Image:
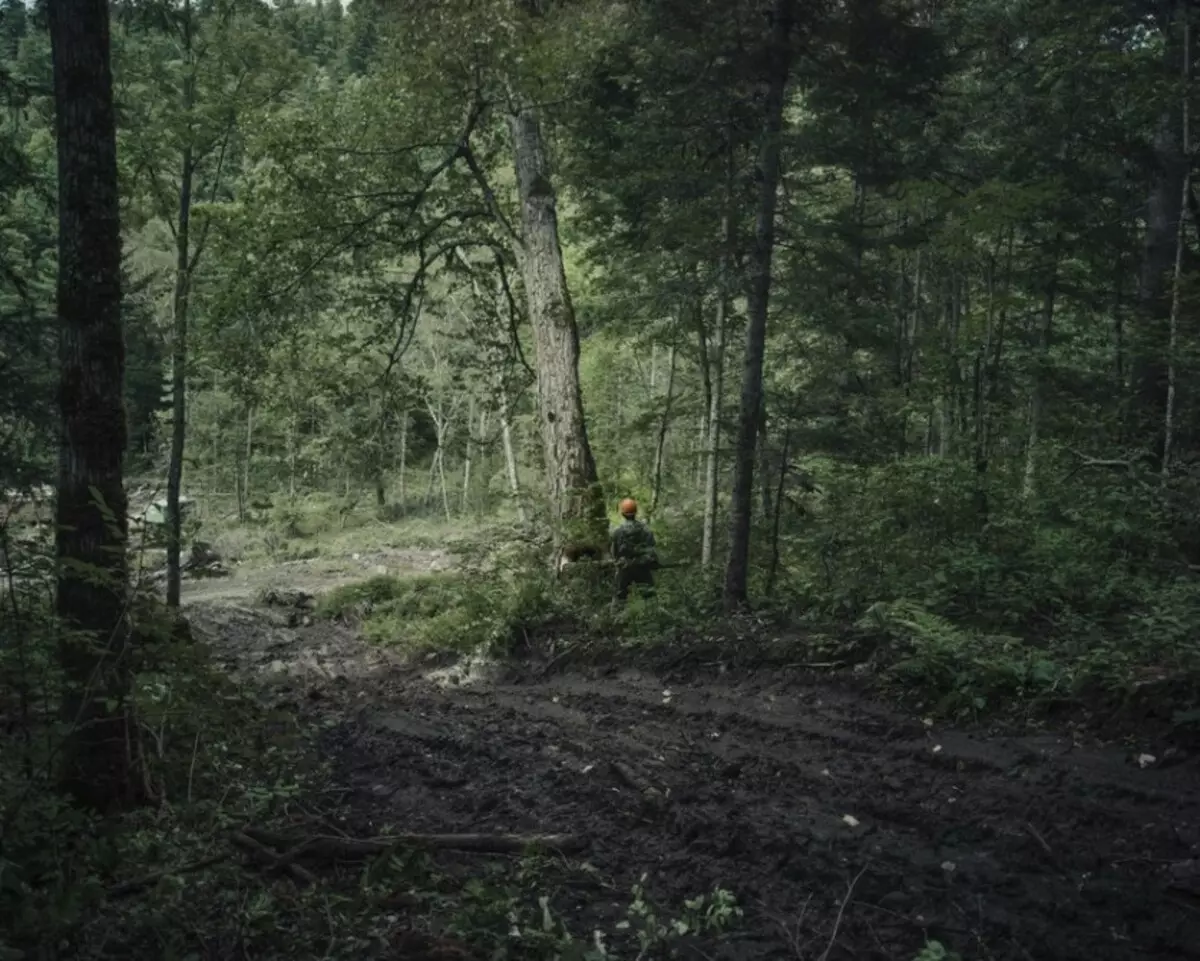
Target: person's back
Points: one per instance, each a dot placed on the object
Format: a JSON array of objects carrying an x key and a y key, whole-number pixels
[{"x": 634, "y": 551}]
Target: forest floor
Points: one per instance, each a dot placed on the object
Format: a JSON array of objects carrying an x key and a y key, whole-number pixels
[{"x": 843, "y": 827}]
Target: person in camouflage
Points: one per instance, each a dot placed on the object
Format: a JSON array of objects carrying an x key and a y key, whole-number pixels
[{"x": 634, "y": 552}]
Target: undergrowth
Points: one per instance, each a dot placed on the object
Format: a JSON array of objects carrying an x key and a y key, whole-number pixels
[{"x": 975, "y": 600}]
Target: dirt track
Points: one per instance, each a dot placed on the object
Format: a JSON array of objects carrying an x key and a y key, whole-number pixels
[{"x": 1003, "y": 848}]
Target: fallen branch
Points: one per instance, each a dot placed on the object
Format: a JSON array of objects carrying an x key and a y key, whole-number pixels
[
  {"x": 126, "y": 888},
  {"x": 1033, "y": 832},
  {"x": 360, "y": 849},
  {"x": 634, "y": 780},
  {"x": 837, "y": 924},
  {"x": 261, "y": 853}
]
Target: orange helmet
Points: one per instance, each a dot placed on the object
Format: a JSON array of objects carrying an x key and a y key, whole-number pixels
[{"x": 629, "y": 507}]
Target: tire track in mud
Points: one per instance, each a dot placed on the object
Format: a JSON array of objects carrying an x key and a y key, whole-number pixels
[{"x": 1008, "y": 848}]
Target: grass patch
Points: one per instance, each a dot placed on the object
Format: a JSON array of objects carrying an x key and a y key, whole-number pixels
[{"x": 450, "y": 612}]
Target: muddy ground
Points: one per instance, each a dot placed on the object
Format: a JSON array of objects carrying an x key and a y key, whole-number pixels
[{"x": 784, "y": 789}]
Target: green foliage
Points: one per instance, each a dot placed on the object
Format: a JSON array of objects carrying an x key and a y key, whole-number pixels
[
  {"x": 448, "y": 612},
  {"x": 1003, "y": 606},
  {"x": 936, "y": 951}
]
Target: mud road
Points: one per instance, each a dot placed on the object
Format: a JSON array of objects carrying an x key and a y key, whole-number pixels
[{"x": 787, "y": 791}]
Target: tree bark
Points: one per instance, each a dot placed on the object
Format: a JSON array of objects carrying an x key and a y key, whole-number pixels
[
  {"x": 1037, "y": 398},
  {"x": 1177, "y": 280},
  {"x": 91, "y": 509},
  {"x": 575, "y": 498},
  {"x": 664, "y": 426},
  {"x": 403, "y": 493},
  {"x": 510, "y": 461},
  {"x": 1164, "y": 210},
  {"x": 716, "y": 396},
  {"x": 773, "y": 567},
  {"x": 179, "y": 306},
  {"x": 248, "y": 455},
  {"x": 179, "y": 379},
  {"x": 737, "y": 569}
]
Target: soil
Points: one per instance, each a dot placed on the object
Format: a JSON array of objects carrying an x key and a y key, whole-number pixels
[{"x": 788, "y": 790}]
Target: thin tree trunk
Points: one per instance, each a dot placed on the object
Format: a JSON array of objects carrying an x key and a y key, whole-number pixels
[
  {"x": 403, "y": 462},
  {"x": 575, "y": 496},
  {"x": 1037, "y": 398},
  {"x": 773, "y": 568},
  {"x": 510, "y": 462},
  {"x": 441, "y": 466},
  {"x": 737, "y": 571},
  {"x": 1173, "y": 333},
  {"x": 91, "y": 512},
  {"x": 180, "y": 303},
  {"x": 470, "y": 450},
  {"x": 716, "y": 396},
  {"x": 249, "y": 456},
  {"x": 764, "y": 463},
  {"x": 1163, "y": 213},
  {"x": 293, "y": 453},
  {"x": 712, "y": 467},
  {"x": 663, "y": 427},
  {"x": 432, "y": 486}
]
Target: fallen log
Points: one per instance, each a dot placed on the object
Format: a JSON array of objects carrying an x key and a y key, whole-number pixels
[
  {"x": 327, "y": 848},
  {"x": 268, "y": 858}
]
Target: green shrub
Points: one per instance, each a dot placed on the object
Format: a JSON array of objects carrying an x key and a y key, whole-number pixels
[{"x": 451, "y": 611}]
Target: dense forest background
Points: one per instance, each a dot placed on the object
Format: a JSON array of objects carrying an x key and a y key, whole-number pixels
[
  {"x": 980, "y": 332},
  {"x": 884, "y": 310}
]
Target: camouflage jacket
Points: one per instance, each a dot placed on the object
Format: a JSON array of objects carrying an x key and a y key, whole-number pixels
[{"x": 633, "y": 543}]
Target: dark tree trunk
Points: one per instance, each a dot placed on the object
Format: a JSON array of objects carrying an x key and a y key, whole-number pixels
[
  {"x": 737, "y": 570},
  {"x": 575, "y": 497},
  {"x": 179, "y": 380},
  {"x": 180, "y": 304},
  {"x": 664, "y": 426},
  {"x": 1164, "y": 209},
  {"x": 97, "y": 756}
]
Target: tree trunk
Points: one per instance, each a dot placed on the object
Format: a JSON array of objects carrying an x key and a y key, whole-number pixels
[
  {"x": 470, "y": 451},
  {"x": 712, "y": 467},
  {"x": 293, "y": 452},
  {"x": 773, "y": 567},
  {"x": 1164, "y": 210},
  {"x": 510, "y": 461},
  {"x": 663, "y": 427},
  {"x": 575, "y": 496},
  {"x": 441, "y": 468},
  {"x": 737, "y": 570},
  {"x": 248, "y": 456},
  {"x": 1037, "y": 397},
  {"x": 716, "y": 397},
  {"x": 1173, "y": 327},
  {"x": 403, "y": 493},
  {"x": 91, "y": 507},
  {"x": 179, "y": 305},
  {"x": 764, "y": 463}
]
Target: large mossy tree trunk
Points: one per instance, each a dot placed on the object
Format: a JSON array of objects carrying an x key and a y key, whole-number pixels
[
  {"x": 737, "y": 569},
  {"x": 97, "y": 759},
  {"x": 577, "y": 504}
]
